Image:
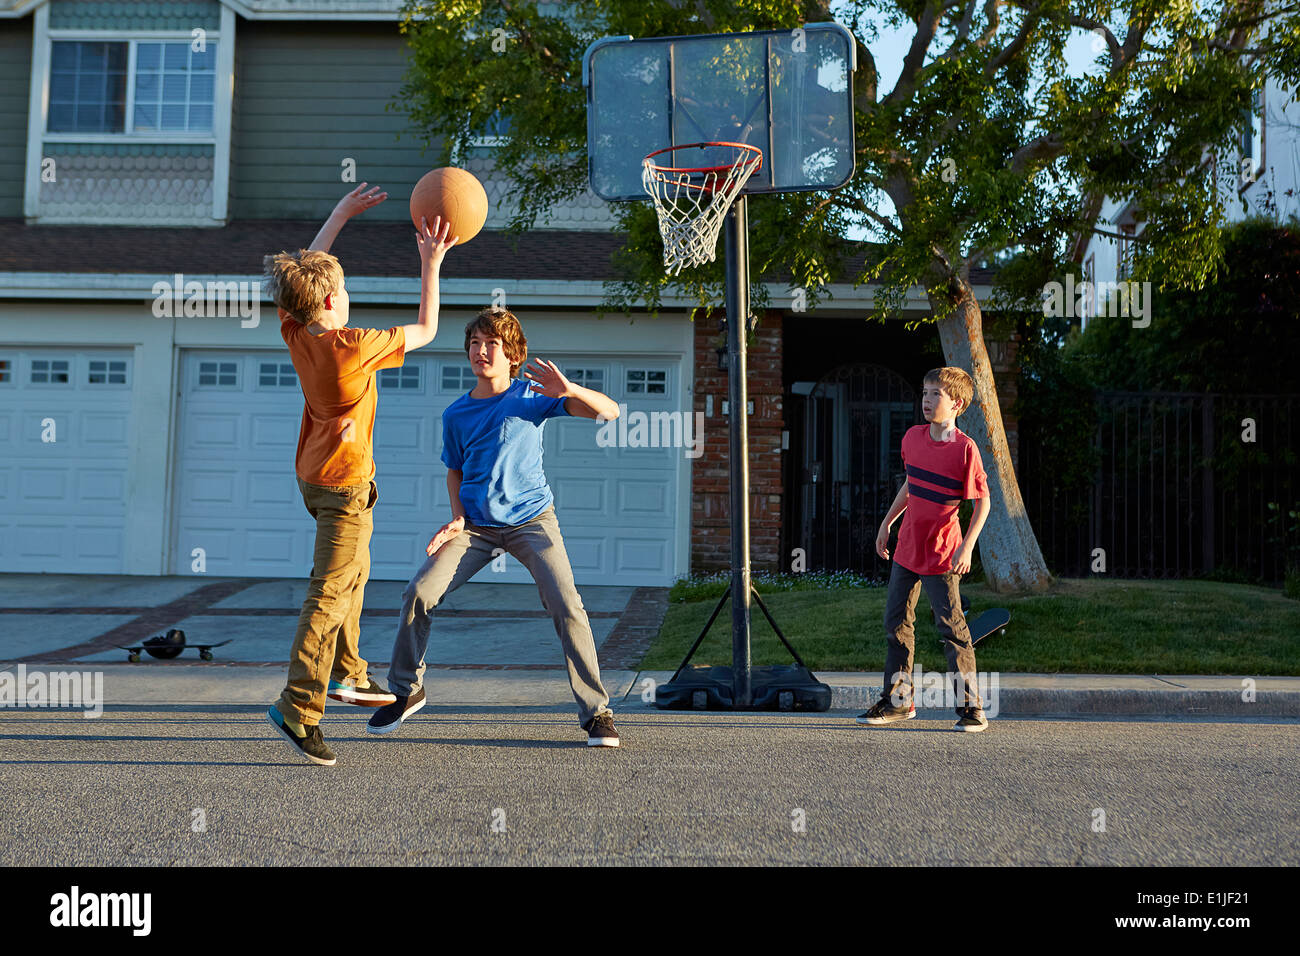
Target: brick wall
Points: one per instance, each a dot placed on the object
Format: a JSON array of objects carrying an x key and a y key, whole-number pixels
[{"x": 710, "y": 475}]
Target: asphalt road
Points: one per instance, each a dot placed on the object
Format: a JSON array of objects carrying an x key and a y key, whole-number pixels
[{"x": 518, "y": 786}]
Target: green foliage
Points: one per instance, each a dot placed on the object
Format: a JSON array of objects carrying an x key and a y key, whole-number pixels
[
  {"x": 1238, "y": 335},
  {"x": 984, "y": 147}
]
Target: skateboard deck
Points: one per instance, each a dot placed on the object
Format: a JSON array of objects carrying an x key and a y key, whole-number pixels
[
  {"x": 169, "y": 651},
  {"x": 987, "y": 622}
]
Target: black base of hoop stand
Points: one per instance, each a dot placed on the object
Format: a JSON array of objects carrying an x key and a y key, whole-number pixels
[{"x": 741, "y": 686}]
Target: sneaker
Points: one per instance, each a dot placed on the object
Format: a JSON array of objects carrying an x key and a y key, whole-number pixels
[
  {"x": 600, "y": 731},
  {"x": 312, "y": 747},
  {"x": 365, "y": 694},
  {"x": 971, "y": 720},
  {"x": 387, "y": 719},
  {"x": 883, "y": 712}
]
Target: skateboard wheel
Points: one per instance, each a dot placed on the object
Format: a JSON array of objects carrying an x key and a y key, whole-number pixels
[
  {"x": 206, "y": 655},
  {"x": 133, "y": 657},
  {"x": 785, "y": 700},
  {"x": 700, "y": 700}
]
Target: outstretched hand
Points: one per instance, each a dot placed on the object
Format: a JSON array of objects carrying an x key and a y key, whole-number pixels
[
  {"x": 547, "y": 379},
  {"x": 359, "y": 200},
  {"x": 444, "y": 534},
  {"x": 434, "y": 240}
]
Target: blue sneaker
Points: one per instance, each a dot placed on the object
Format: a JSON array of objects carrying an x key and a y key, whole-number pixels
[
  {"x": 310, "y": 747},
  {"x": 364, "y": 694}
]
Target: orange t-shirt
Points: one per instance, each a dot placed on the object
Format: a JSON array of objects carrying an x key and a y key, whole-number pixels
[{"x": 337, "y": 372}]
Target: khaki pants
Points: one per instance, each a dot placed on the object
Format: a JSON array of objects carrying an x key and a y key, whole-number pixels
[{"x": 329, "y": 625}]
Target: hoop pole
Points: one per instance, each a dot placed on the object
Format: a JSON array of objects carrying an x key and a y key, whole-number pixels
[{"x": 737, "y": 242}]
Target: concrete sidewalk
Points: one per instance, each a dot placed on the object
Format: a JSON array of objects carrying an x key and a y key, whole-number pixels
[{"x": 1017, "y": 695}]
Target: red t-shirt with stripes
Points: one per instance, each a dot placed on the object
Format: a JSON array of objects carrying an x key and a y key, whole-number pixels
[{"x": 940, "y": 475}]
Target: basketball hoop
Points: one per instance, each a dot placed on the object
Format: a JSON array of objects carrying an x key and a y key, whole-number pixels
[{"x": 691, "y": 201}]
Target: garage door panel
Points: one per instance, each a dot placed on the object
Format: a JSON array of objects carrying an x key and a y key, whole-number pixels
[
  {"x": 580, "y": 496},
  {"x": 275, "y": 432},
  {"x": 253, "y": 432},
  {"x": 100, "y": 429},
  {"x": 213, "y": 430},
  {"x": 101, "y": 485},
  {"x": 647, "y": 554},
  {"x": 272, "y": 489}
]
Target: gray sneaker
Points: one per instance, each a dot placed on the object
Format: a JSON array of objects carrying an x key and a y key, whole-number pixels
[
  {"x": 971, "y": 720},
  {"x": 884, "y": 712}
]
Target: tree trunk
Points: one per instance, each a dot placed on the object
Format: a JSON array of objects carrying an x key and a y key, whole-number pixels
[{"x": 1008, "y": 549}]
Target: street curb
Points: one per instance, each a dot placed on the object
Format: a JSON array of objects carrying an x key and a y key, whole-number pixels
[{"x": 1056, "y": 702}]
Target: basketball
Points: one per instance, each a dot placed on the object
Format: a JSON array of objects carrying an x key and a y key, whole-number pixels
[{"x": 455, "y": 195}]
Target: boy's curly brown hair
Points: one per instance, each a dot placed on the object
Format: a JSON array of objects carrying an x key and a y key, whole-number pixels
[
  {"x": 955, "y": 382},
  {"x": 501, "y": 324},
  {"x": 298, "y": 282}
]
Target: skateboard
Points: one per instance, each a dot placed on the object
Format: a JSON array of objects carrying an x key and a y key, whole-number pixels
[
  {"x": 168, "y": 646},
  {"x": 985, "y": 623}
]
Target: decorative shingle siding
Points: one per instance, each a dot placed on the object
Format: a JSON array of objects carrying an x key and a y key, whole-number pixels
[
  {"x": 15, "y": 79},
  {"x": 111, "y": 15},
  {"x": 156, "y": 181}
]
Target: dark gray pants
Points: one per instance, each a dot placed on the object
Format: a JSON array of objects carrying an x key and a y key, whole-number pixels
[
  {"x": 900, "y": 614},
  {"x": 537, "y": 545}
]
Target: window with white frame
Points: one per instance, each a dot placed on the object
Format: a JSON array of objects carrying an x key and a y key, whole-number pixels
[
  {"x": 6, "y": 371},
  {"x": 457, "y": 378},
  {"x": 276, "y": 375},
  {"x": 587, "y": 377},
  {"x": 218, "y": 374},
  {"x": 646, "y": 381},
  {"x": 131, "y": 87},
  {"x": 51, "y": 372},
  {"x": 406, "y": 377},
  {"x": 106, "y": 372}
]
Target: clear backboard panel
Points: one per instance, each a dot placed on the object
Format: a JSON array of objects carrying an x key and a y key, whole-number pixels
[{"x": 787, "y": 92}]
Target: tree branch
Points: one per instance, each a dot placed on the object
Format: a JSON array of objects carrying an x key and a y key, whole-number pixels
[
  {"x": 926, "y": 23},
  {"x": 1012, "y": 49}
]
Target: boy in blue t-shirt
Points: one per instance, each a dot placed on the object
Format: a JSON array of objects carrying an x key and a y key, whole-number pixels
[{"x": 492, "y": 447}]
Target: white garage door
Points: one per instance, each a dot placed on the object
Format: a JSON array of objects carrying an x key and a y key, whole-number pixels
[
  {"x": 64, "y": 427},
  {"x": 237, "y": 500}
]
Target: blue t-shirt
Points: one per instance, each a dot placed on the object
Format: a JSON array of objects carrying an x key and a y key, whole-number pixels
[{"x": 496, "y": 443}]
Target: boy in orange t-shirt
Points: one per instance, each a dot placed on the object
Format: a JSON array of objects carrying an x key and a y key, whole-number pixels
[{"x": 336, "y": 366}]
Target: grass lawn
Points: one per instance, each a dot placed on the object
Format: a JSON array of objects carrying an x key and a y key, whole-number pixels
[{"x": 1081, "y": 626}]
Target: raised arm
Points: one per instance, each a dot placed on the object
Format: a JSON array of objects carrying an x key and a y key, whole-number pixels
[
  {"x": 354, "y": 203},
  {"x": 434, "y": 243}
]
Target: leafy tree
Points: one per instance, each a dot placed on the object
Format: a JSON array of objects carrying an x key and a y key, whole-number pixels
[{"x": 985, "y": 147}]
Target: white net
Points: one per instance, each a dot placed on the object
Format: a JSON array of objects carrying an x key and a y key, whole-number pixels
[{"x": 692, "y": 203}]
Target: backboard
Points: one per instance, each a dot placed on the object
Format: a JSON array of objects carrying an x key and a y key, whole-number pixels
[{"x": 787, "y": 92}]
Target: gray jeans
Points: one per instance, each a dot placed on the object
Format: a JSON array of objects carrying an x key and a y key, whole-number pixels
[
  {"x": 537, "y": 545},
  {"x": 900, "y": 615}
]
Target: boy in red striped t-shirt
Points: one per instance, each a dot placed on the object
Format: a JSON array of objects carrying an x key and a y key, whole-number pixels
[{"x": 943, "y": 469}]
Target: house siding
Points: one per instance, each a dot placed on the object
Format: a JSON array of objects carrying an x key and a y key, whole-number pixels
[
  {"x": 15, "y": 83},
  {"x": 307, "y": 97}
]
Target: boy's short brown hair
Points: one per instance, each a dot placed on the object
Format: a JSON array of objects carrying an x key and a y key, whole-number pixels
[
  {"x": 298, "y": 282},
  {"x": 955, "y": 382},
  {"x": 501, "y": 324}
]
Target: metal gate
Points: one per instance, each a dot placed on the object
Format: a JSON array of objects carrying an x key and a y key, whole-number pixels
[{"x": 854, "y": 421}]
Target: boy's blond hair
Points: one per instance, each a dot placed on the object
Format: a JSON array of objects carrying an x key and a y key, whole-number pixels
[
  {"x": 298, "y": 282},
  {"x": 955, "y": 382},
  {"x": 501, "y": 324}
]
